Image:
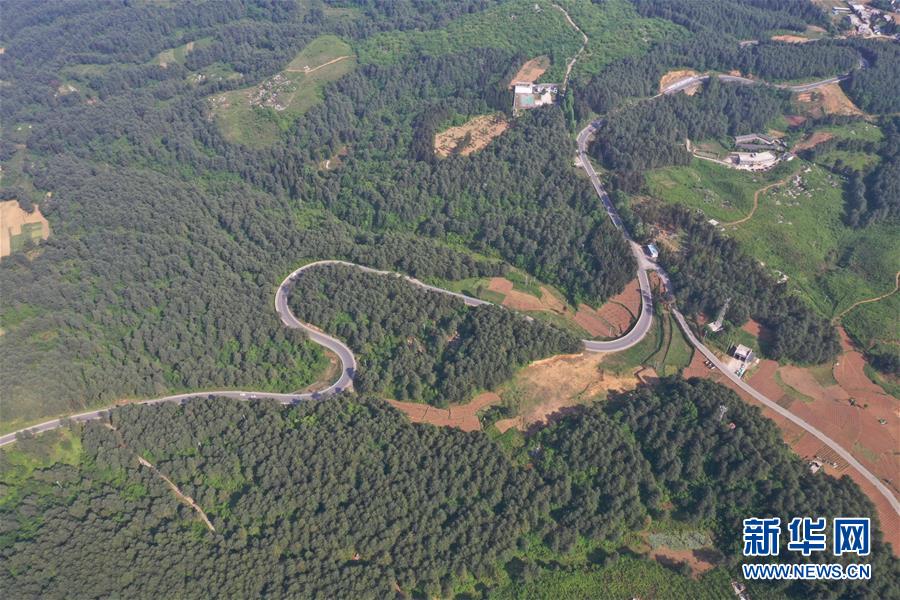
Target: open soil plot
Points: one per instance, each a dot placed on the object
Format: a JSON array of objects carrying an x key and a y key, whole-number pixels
[
  {"x": 462, "y": 416},
  {"x": 471, "y": 136},
  {"x": 517, "y": 300},
  {"x": 531, "y": 70},
  {"x": 673, "y": 77},
  {"x": 692, "y": 558},
  {"x": 806, "y": 445},
  {"x": 791, "y": 39},
  {"x": 803, "y": 381},
  {"x": 18, "y": 226},
  {"x": 829, "y": 99},
  {"x": 814, "y": 139},
  {"x": 549, "y": 386}
]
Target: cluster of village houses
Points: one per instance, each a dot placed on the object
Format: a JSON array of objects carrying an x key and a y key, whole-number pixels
[
  {"x": 528, "y": 95},
  {"x": 865, "y": 20},
  {"x": 758, "y": 152}
]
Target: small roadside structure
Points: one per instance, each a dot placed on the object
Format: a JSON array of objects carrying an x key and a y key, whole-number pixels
[
  {"x": 753, "y": 161},
  {"x": 533, "y": 95},
  {"x": 743, "y": 353},
  {"x": 758, "y": 141},
  {"x": 652, "y": 251}
]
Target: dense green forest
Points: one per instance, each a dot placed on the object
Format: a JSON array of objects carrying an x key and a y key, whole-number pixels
[
  {"x": 710, "y": 268},
  {"x": 416, "y": 344},
  {"x": 345, "y": 498},
  {"x": 168, "y": 242},
  {"x": 109, "y": 308}
]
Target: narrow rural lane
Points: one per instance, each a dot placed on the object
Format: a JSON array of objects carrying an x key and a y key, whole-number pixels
[
  {"x": 632, "y": 337},
  {"x": 643, "y": 265}
]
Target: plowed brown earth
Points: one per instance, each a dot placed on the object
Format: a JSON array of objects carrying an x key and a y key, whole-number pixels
[
  {"x": 531, "y": 70},
  {"x": 813, "y": 140},
  {"x": 517, "y": 300},
  {"x": 855, "y": 428},
  {"x": 791, "y": 39},
  {"x": 752, "y": 327},
  {"x": 673, "y": 77},
  {"x": 463, "y": 416},
  {"x": 613, "y": 318},
  {"x": 828, "y": 99},
  {"x": 664, "y": 554},
  {"x": 549, "y": 386},
  {"x": 481, "y": 130},
  {"x": 590, "y": 320}
]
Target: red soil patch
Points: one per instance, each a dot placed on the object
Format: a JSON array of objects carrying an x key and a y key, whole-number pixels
[
  {"x": 813, "y": 140},
  {"x": 795, "y": 120},
  {"x": 753, "y": 328},
  {"x": 698, "y": 566},
  {"x": 517, "y": 300},
  {"x": 462, "y": 416},
  {"x": 593, "y": 323},
  {"x": 764, "y": 380},
  {"x": 531, "y": 71},
  {"x": 613, "y": 318}
]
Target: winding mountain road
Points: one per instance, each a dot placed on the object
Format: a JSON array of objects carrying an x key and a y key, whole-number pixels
[
  {"x": 632, "y": 337},
  {"x": 799, "y": 88}
]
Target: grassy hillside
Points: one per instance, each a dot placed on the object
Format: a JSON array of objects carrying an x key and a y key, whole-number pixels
[
  {"x": 532, "y": 28},
  {"x": 797, "y": 229},
  {"x": 256, "y": 115}
]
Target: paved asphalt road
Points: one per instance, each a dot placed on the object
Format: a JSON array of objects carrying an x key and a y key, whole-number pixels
[
  {"x": 804, "y": 87},
  {"x": 635, "y": 335},
  {"x": 644, "y": 265}
]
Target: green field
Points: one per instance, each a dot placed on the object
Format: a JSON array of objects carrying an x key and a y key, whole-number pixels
[
  {"x": 797, "y": 230},
  {"x": 257, "y": 115},
  {"x": 178, "y": 54},
  {"x": 721, "y": 193},
  {"x": 624, "y": 578},
  {"x": 615, "y": 30},
  {"x": 532, "y": 28}
]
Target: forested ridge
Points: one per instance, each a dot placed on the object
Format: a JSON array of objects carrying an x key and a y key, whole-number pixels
[
  {"x": 108, "y": 308},
  {"x": 345, "y": 498},
  {"x": 709, "y": 268},
  {"x": 418, "y": 344}
]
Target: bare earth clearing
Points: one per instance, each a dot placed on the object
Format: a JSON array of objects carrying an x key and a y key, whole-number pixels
[
  {"x": 828, "y": 100},
  {"x": 826, "y": 404},
  {"x": 549, "y": 386},
  {"x": 791, "y": 39},
  {"x": 673, "y": 77},
  {"x": 463, "y": 416},
  {"x": 531, "y": 70},
  {"x": 812, "y": 140},
  {"x": 12, "y": 220},
  {"x": 615, "y": 317},
  {"x": 479, "y": 131}
]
